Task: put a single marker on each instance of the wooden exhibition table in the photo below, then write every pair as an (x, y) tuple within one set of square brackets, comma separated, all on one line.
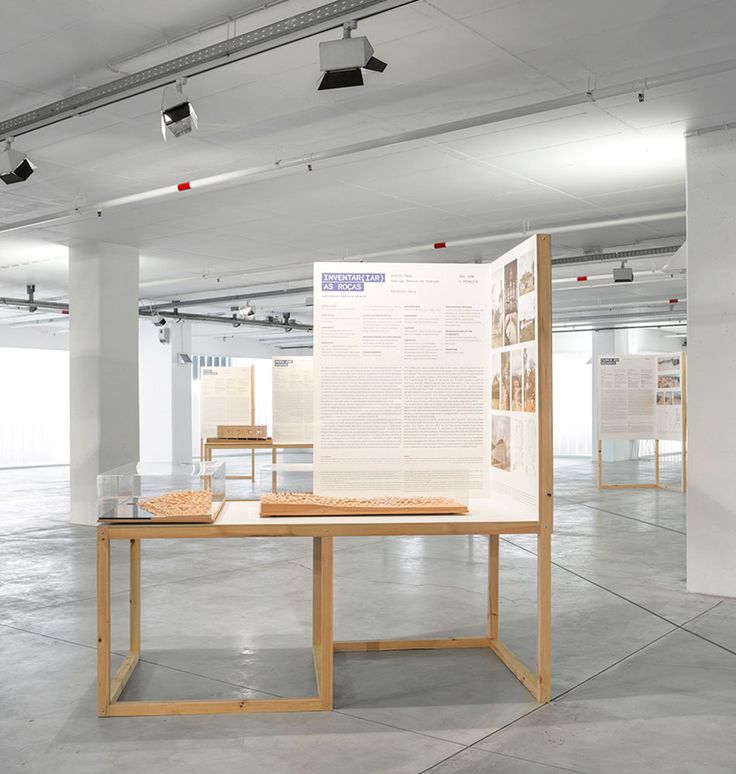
[(241, 520), (210, 444)]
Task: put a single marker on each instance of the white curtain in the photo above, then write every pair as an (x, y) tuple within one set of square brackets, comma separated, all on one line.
[(573, 410), (34, 407)]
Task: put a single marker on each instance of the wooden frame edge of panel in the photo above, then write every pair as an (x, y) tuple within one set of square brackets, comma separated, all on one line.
[(544, 358), (683, 387), (539, 685)]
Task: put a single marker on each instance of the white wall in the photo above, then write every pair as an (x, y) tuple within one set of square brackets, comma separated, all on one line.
[(711, 298), (572, 393), (34, 407)]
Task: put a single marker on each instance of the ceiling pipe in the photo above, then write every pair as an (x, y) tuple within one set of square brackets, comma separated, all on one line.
[(528, 230), (234, 323), (623, 327), (583, 280), (681, 302), (24, 303), (236, 297)]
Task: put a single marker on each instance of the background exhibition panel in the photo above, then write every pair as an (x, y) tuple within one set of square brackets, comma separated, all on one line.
[(643, 397)]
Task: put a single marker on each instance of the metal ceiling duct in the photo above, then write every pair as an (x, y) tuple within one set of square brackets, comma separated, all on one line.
[(24, 303)]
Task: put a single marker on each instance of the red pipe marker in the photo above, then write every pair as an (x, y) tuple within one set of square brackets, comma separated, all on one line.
[(582, 279), (184, 186), (439, 245)]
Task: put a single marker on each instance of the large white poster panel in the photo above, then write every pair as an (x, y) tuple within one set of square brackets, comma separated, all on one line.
[(514, 378), (626, 397), (670, 397), (225, 398), (292, 400), (401, 378)]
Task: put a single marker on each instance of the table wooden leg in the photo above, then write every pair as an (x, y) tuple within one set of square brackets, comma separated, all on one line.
[(322, 628), (135, 596), (493, 572), (544, 615), (274, 475), (103, 622)]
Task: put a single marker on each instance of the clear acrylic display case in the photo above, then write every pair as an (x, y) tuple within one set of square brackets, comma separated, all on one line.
[(196, 489)]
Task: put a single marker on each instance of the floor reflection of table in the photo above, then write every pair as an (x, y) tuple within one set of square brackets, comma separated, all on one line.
[(242, 520)]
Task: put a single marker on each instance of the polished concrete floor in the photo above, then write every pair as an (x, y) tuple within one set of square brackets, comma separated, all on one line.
[(644, 673)]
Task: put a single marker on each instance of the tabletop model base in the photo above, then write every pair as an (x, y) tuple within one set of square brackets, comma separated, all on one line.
[(306, 504)]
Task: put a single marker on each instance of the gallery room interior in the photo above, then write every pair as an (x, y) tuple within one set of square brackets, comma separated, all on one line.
[(365, 399)]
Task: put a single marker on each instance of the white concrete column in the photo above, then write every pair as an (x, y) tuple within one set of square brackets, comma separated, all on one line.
[(711, 372), (165, 393), (103, 344)]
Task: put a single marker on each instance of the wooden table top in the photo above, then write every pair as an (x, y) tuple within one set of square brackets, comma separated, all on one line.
[(242, 519)]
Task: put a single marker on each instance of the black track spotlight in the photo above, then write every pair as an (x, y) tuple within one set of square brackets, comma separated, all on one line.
[(177, 112), (343, 61), (15, 167)]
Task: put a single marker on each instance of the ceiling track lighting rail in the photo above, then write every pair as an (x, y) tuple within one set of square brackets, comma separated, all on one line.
[(160, 319), (645, 252), (303, 25), (623, 327), (236, 297)]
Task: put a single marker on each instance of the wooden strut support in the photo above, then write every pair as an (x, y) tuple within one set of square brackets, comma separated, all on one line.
[(109, 691), (657, 475), (103, 622)]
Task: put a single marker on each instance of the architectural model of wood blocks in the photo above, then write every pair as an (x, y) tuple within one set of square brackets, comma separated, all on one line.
[(188, 505), (305, 504)]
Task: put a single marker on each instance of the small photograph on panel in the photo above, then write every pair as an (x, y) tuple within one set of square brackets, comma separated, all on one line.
[(501, 442), (668, 399), (671, 363), (511, 304), (497, 309), (526, 317), (667, 382), (677, 398), (661, 399), (505, 403), (524, 439), (516, 380), (530, 379), (496, 381), (526, 274)]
